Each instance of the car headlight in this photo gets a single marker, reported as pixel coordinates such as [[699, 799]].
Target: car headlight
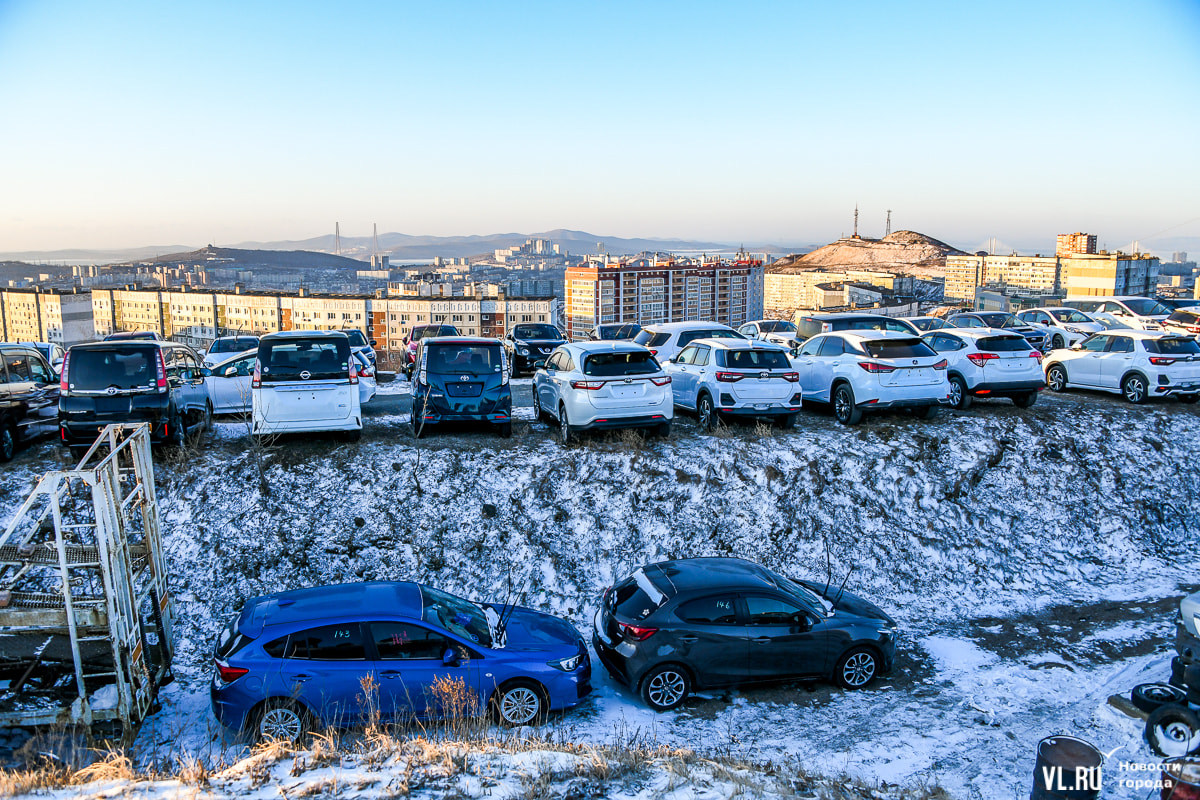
[[567, 664], [523, 350], [1074, 330]]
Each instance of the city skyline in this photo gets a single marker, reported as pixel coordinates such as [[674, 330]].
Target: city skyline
[[141, 124]]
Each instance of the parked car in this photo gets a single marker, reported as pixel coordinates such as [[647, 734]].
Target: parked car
[[305, 381], [677, 626], [1034, 334], [1176, 303], [359, 343], [925, 324], [528, 343], [224, 347], [419, 332], [1108, 322], [868, 370], [295, 661], [988, 362], [1139, 313], [28, 398], [366, 377], [53, 353], [121, 336], [601, 386], [1061, 327], [614, 332], [132, 381], [810, 325], [665, 340], [461, 379], [228, 383], [1183, 321], [776, 331], [733, 377], [1136, 364]]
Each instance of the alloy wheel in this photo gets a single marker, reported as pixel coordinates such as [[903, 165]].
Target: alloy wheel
[[1135, 389], [519, 706], [281, 723], [1056, 379], [666, 688], [704, 412], [956, 393], [564, 426], [859, 669]]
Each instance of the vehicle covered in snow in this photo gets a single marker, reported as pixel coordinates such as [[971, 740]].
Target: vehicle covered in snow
[[293, 661]]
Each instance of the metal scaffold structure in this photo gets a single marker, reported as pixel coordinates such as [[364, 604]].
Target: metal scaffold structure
[[85, 609]]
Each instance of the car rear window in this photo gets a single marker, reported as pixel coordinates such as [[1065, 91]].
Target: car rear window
[[286, 359], [433, 330], [651, 338], [637, 597], [1003, 344], [1185, 317], [235, 345], [898, 348], [1172, 346], [468, 359], [536, 332], [808, 328], [611, 332], [122, 368], [231, 640], [611, 365], [356, 337], [756, 359]]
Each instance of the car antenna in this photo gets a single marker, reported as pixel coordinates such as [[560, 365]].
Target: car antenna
[[510, 606], [843, 586], [828, 572]]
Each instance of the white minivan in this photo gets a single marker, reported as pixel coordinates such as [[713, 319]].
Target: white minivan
[[306, 381]]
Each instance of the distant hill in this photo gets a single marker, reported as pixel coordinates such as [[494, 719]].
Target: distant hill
[[905, 252], [238, 257]]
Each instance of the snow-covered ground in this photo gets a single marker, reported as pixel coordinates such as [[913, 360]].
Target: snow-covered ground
[[1030, 557]]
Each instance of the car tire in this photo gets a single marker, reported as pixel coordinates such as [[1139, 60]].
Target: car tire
[[844, 408], [1057, 342], [8, 442], [1173, 730], [1133, 388], [176, 433], [1189, 398], [506, 430], [77, 452], [419, 428], [857, 668], [354, 435], [208, 417], [281, 720], [960, 398], [666, 687], [520, 703], [566, 434], [786, 421], [663, 430], [706, 415], [1025, 400], [926, 412], [1056, 378], [1150, 697], [538, 412]]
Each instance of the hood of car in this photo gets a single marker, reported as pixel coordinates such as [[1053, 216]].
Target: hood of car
[[541, 342], [532, 630]]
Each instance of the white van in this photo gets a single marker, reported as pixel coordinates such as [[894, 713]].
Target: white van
[[1139, 313], [305, 381]]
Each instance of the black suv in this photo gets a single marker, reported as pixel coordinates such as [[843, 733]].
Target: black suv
[[28, 397], [460, 379], [530, 343], [696, 623], [132, 381]]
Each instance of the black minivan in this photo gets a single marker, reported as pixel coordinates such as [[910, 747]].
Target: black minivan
[[460, 379], [132, 381], [28, 397]]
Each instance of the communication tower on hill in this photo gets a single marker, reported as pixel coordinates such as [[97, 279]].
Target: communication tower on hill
[[855, 221], [337, 238], [888, 231]]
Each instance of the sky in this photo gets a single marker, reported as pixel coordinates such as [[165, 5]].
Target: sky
[[134, 124]]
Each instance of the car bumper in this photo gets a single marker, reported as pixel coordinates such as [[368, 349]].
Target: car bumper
[[496, 408], [76, 432], [229, 711], [759, 409], [1005, 388], [908, 397], [1183, 387], [350, 423], [614, 663], [608, 422]]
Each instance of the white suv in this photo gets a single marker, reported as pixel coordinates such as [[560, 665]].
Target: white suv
[[988, 362], [1136, 364], [1139, 313], [728, 377], [305, 381], [864, 370], [602, 385], [1064, 327], [776, 331], [665, 340]]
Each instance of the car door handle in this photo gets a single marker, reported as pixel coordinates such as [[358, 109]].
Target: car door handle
[[762, 640], [390, 673], [701, 372], [301, 678], [689, 639]]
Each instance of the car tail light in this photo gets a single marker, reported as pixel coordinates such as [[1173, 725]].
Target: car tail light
[[1159, 361], [871, 366], [229, 674], [162, 372], [661, 380], [256, 380], [1036, 354], [729, 377], [503, 366], [791, 377], [63, 386], [591, 386], [353, 371], [943, 364], [653, 351], [980, 359], [636, 633]]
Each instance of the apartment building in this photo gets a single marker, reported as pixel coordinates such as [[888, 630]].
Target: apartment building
[[652, 289], [1105, 274], [45, 315], [787, 291], [1068, 243], [965, 273]]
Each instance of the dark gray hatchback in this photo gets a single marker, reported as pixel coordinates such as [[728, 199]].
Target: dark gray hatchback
[[697, 623], [460, 379]]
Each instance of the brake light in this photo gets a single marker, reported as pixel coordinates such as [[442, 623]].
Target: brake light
[[589, 385], [636, 633], [229, 674], [503, 367], [653, 352], [353, 371], [162, 372], [256, 379], [981, 359], [791, 377], [943, 364], [1036, 354], [872, 367], [63, 386], [1159, 361], [661, 380], [729, 377]]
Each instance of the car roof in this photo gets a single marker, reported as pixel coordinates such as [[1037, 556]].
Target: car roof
[[234, 356], [607, 347], [692, 574], [107, 344], [848, 315], [458, 340], [738, 344], [871, 334], [1136, 334], [923, 316], [676, 327], [976, 333], [272, 337], [329, 602]]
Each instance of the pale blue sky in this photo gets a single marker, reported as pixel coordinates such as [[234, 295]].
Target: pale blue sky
[[136, 123]]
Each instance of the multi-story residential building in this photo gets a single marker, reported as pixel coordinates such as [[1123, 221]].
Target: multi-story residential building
[[654, 288], [45, 315], [788, 291], [1105, 274], [965, 273], [1068, 243]]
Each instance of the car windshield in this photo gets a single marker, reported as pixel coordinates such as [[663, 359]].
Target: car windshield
[[799, 591], [433, 330], [304, 359], [608, 333], [1170, 346], [1069, 315], [777, 326], [898, 348], [459, 616], [95, 369], [1145, 307], [537, 332], [356, 337], [452, 358], [923, 324], [1000, 320], [613, 365], [234, 344], [756, 359]]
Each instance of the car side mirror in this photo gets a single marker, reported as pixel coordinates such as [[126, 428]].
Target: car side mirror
[[405, 340], [450, 658], [205, 372], [230, 372], [803, 623], [540, 364]]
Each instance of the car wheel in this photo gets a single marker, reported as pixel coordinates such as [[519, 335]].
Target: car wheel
[[663, 430], [418, 426], [566, 433], [1134, 389], [1189, 398], [521, 704], [176, 433], [538, 414], [857, 668], [960, 398], [786, 421], [8, 442], [354, 435], [208, 416], [1057, 342], [77, 453], [506, 430], [666, 687], [1149, 697], [1173, 730], [1056, 378], [1025, 400], [704, 412], [844, 408], [281, 721], [927, 412]]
